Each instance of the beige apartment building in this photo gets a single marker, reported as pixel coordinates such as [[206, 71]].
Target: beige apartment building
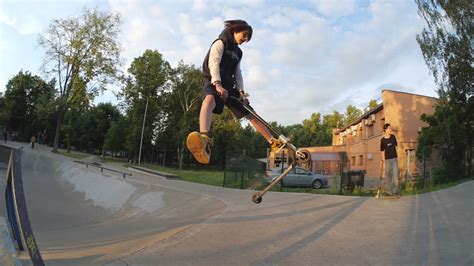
[[359, 142]]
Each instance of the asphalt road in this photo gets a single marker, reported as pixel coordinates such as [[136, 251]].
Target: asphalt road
[[81, 216]]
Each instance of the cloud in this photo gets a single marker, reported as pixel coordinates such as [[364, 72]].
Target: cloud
[[304, 57], [335, 8], [29, 23]]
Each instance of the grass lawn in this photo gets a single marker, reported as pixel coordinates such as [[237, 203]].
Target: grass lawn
[[73, 154], [203, 176], [429, 187]]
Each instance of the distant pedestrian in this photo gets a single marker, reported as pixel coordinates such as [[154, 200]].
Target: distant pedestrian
[[5, 136], [388, 147], [33, 141]]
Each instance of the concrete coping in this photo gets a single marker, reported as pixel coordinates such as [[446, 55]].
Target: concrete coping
[[102, 168], [155, 172]]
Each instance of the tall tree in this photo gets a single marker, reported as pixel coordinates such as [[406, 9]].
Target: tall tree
[[352, 113], [84, 49], [148, 82], [447, 47], [114, 140], [372, 104], [25, 96], [183, 104]]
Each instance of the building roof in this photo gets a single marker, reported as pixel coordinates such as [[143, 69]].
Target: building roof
[[378, 108], [374, 110]]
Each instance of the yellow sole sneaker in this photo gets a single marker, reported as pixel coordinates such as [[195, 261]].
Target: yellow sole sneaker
[[197, 146]]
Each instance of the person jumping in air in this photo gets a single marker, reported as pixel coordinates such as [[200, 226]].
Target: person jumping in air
[[223, 85]]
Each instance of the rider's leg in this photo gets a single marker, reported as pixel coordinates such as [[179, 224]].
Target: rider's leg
[[260, 127], [276, 144], [205, 116]]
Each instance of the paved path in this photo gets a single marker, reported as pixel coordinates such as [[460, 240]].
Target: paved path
[[81, 216]]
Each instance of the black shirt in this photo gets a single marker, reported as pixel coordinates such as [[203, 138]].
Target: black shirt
[[389, 146], [229, 61]]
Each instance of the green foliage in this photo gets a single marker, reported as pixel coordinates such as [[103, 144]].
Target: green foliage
[[352, 113], [114, 140], [446, 45], [147, 83], [182, 106], [361, 191], [372, 104], [197, 175], [27, 104], [87, 129], [78, 51]]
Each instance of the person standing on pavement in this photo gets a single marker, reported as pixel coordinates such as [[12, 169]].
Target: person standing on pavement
[[388, 147], [33, 141]]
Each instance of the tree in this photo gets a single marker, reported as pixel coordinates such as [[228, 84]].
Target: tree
[[226, 129], [26, 104], [149, 81], [115, 135], [446, 44], [372, 104], [183, 104], [83, 51], [352, 113], [2, 107]]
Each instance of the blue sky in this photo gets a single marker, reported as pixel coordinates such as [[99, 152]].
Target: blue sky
[[304, 57]]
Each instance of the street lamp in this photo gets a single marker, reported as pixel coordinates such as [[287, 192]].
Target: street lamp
[[143, 128]]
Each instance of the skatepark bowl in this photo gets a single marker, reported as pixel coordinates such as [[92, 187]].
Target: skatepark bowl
[[82, 216]]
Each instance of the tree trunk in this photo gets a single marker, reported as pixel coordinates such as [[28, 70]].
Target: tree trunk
[[58, 129], [180, 156]]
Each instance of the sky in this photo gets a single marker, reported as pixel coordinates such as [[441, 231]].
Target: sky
[[305, 57]]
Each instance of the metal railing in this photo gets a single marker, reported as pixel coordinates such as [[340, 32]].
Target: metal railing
[[16, 204], [103, 168]]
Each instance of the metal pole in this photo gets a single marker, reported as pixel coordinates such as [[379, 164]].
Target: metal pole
[[143, 128]]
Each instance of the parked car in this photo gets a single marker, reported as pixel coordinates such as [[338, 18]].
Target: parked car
[[299, 177]]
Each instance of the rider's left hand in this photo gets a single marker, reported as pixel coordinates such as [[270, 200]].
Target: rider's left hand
[[243, 98]]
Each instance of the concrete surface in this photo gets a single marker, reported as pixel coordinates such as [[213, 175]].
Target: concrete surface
[[81, 216]]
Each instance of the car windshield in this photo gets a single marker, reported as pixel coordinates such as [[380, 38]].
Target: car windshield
[[300, 171], [297, 170]]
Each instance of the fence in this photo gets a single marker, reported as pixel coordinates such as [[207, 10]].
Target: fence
[[243, 172]]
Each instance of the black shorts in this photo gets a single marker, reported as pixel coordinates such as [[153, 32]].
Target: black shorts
[[235, 106]]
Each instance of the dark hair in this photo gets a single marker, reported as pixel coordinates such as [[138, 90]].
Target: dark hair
[[385, 126], [238, 25]]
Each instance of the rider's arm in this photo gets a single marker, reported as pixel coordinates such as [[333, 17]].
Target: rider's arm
[[215, 56]]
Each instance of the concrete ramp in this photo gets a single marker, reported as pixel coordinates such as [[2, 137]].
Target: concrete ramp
[[81, 216], [79, 212]]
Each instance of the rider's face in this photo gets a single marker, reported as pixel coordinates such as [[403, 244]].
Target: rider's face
[[241, 37]]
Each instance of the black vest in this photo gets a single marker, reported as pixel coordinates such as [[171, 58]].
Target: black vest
[[230, 59]]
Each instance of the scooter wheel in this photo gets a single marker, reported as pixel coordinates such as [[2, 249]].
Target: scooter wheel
[[303, 155], [256, 198]]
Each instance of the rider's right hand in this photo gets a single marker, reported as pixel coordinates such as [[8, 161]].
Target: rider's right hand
[[223, 93]]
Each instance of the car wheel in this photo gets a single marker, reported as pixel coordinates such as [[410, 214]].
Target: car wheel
[[317, 184]]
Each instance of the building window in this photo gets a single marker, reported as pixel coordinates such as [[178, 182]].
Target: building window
[[361, 159], [370, 131], [353, 160]]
